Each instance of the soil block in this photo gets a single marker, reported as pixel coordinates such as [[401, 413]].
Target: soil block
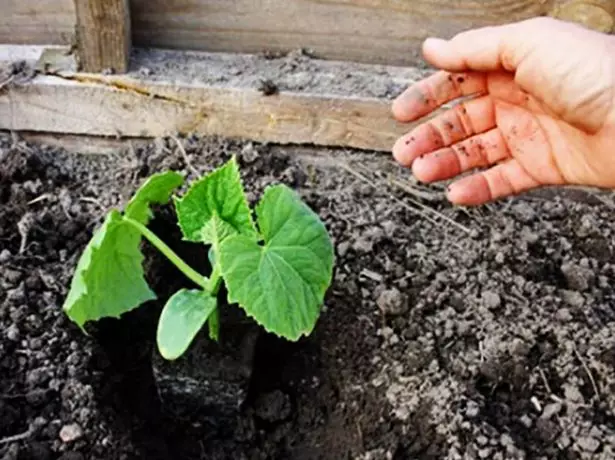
[[211, 376]]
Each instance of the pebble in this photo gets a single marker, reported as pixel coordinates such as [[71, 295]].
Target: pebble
[[472, 409], [573, 298], [484, 453], [506, 440], [363, 245], [588, 444], [563, 315], [5, 256], [392, 302], [578, 278], [37, 377], [386, 332], [342, 248], [526, 420], [572, 394], [563, 442], [550, 410], [249, 154], [12, 333], [491, 300], [524, 212], [71, 433]]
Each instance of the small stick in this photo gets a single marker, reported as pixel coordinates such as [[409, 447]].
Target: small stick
[[427, 208], [7, 82], [587, 371], [184, 154], [420, 212], [44, 196], [547, 386], [17, 437], [413, 191], [88, 199]]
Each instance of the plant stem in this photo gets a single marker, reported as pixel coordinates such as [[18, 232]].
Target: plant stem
[[192, 274], [215, 279], [213, 323]]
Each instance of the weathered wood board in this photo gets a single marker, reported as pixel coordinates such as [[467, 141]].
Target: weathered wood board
[[37, 22], [105, 35], [198, 95], [377, 31]]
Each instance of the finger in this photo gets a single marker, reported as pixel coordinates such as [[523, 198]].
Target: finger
[[427, 95], [486, 49], [503, 180], [477, 152], [464, 120]]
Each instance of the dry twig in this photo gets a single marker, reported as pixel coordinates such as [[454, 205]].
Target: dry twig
[[587, 371], [422, 209], [15, 438], [184, 154]]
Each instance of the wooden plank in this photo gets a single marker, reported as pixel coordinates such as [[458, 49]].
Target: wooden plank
[[103, 35], [179, 96], [52, 104], [36, 22], [373, 31]]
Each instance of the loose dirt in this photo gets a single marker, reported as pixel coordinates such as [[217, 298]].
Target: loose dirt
[[458, 334]]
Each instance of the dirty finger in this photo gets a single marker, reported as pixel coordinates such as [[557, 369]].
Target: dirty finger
[[500, 181], [430, 93], [479, 151], [463, 121]]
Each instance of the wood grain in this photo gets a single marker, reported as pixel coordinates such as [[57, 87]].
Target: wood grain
[[103, 35], [378, 31], [36, 22], [127, 109]]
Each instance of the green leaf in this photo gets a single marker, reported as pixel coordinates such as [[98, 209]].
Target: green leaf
[[182, 318], [281, 284], [156, 189], [221, 194], [215, 231], [109, 279]]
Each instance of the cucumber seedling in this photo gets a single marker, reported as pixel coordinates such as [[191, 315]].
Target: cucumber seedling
[[277, 267]]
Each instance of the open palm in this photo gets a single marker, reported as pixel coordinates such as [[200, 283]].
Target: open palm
[[537, 109]]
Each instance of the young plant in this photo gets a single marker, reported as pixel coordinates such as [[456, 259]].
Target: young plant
[[277, 269]]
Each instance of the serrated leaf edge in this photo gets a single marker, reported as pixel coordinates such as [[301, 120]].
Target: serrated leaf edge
[[235, 165]]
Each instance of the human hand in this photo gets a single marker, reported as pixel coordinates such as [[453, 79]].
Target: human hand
[[540, 111]]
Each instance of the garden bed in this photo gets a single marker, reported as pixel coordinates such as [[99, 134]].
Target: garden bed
[[447, 333]]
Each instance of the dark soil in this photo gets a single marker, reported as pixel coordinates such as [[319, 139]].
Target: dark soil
[[435, 342]]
